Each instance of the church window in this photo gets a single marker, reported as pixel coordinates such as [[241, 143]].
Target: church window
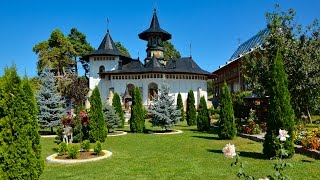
[[152, 90], [102, 69], [158, 75]]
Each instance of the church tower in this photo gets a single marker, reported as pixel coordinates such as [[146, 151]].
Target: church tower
[[155, 36]]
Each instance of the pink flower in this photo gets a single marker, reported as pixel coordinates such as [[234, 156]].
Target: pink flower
[[229, 151], [283, 135]]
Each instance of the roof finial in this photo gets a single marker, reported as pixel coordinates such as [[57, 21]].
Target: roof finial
[[138, 54], [155, 5], [190, 51], [107, 24], [239, 41]]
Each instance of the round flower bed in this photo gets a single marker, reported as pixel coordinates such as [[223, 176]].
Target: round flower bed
[[117, 133], [164, 132], [83, 157]]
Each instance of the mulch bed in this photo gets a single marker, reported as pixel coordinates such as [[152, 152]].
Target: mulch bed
[[82, 155]]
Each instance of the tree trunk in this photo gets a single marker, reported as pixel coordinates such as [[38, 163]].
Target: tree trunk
[[51, 130], [309, 116]]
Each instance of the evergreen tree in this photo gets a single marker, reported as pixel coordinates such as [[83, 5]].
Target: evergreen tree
[[191, 109], [281, 115], [165, 113], [111, 117], [203, 119], [227, 126], [116, 103], [180, 107], [19, 140], [98, 127], [137, 123], [50, 103]]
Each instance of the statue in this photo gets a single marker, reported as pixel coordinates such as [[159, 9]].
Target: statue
[[67, 134]]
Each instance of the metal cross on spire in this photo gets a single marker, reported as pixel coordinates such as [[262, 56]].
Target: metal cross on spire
[[107, 24], [155, 5], [190, 51]]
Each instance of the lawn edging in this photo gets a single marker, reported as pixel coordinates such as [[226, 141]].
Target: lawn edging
[[52, 158], [166, 133]]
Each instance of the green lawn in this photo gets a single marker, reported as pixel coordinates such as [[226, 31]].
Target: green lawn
[[190, 155]]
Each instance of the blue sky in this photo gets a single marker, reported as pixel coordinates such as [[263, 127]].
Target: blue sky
[[212, 27]]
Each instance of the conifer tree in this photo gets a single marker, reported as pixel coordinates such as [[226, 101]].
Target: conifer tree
[[180, 107], [165, 113], [227, 126], [97, 126], [19, 150], [203, 119], [50, 103], [116, 103], [137, 122], [191, 109], [112, 118], [281, 115]]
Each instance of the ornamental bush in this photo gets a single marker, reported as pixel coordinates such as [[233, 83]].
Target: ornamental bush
[[85, 145], [203, 119], [227, 126], [73, 151], [97, 147], [180, 107], [191, 109], [281, 115], [112, 119], [116, 103], [137, 122], [97, 126], [62, 149]]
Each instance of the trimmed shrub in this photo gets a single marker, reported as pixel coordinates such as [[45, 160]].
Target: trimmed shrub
[[97, 126], [116, 103], [227, 125], [281, 115], [203, 119], [180, 107], [85, 145], [137, 121], [73, 151], [191, 109], [97, 147], [62, 149]]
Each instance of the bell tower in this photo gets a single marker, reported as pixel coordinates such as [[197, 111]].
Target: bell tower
[[155, 36]]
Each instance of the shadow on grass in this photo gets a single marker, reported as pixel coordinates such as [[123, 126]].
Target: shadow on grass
[[207, 137], [307, 161], [55, 149], [253, 155], [219, 151]]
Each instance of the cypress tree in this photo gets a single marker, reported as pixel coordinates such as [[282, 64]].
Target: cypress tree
[[281, 115], [165, 113], [97, 125], [19, 150], [111, 117], [227, 126], [203, 119], [50, 103], [116, 103], [180, 107], [191, 109], [137, 123]]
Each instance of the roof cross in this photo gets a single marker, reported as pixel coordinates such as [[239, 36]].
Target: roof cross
[[107, 24]]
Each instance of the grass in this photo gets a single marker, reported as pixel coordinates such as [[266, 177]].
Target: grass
[[190, 155]]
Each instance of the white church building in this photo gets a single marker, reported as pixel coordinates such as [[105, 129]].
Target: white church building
[[112, 71]]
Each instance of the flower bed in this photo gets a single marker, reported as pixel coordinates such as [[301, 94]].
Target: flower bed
[[83, 157]]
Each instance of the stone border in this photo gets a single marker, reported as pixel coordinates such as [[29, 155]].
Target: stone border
[[123, 133], [175, 132], [48, 136], [52, 158]]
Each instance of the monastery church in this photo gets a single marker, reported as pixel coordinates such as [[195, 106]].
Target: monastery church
[[112, 71]]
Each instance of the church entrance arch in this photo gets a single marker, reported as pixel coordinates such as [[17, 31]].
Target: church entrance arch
[[153, 91]]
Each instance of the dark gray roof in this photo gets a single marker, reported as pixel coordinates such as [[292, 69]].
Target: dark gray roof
[[155, 29], [250, 45], [107, 47], [181, 65]]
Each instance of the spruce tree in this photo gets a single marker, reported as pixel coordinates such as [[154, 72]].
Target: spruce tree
[[191, 109], [281, 115], [112, 118], [227, 126], [97, 126], [19, 150], [203, 119], [180, 107], [137, 123], [116, 103], [165, 113], [50, 103]]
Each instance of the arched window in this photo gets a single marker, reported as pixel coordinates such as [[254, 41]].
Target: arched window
[[153, 91], [130, 88], [102, 69]]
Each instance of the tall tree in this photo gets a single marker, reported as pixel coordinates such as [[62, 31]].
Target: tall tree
[[137, 122], [56, 53], [50, 103], [81, 47], [116, 103], [112, 118], [165, 113], [98, 126], [191, 109], [76, 89], [203, 118], [122, 49], [180, 107], [20, 147], [227, 125], [281, 115], [210, 87], [300, 48], [170, 51]]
